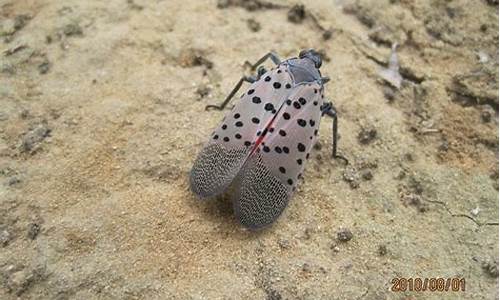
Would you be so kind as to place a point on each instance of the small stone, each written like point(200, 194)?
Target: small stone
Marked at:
point(203, 91)
point(351, 176)
point(13, 181)
point(134, 6)
point(25, 114)
point(306, 268)
point(34, 137)
point(344, 235)
point(18, 282)
point(401, 174)
point(444, 146)
point(491, 268)
point(335, 248)
point(366, 175)
point(33, 230)
point(475, 211)
point(284, 244)
point(44, 67)
point(20, 21)
point(408, 157)
point(308, 232)
point(389, 93)
point(297, 14)
point(72, 29)
point(327, 34)
point(412, 199)
point(253, 25)
point(5, 237)
point(485, 116)
point(191, 57)
point(223, 3)
point(483, 57)
point(366, 136)
point(382, 250)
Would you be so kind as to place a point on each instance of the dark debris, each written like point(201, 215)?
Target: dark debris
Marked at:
point(367, 135)
point(344, 235)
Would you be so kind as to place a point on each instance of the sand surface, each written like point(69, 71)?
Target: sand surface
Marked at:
point(102, 115)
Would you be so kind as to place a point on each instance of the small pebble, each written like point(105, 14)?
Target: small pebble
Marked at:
point(72, 29)
point(5, 237)
point(491, 268)
point(44, 67)
point(485, 116)
point(253, 25)
point(401, 174)
point(284, 244)
point(351, 176)
point(344, 235)
point(366, 136)
point(444, 146)
point(297, 14)
point(389, 93)
point(203, 91)
point(13, 181)
point(327, 34)
point(33, 138)
point(308, 233)
point(306, 268)
point(382, 250)
point(33, 230)
point(366, 175)
point(475, 211)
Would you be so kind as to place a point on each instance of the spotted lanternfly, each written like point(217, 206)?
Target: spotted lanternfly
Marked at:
point(263, 143)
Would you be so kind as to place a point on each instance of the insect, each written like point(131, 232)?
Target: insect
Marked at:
point(263, 143)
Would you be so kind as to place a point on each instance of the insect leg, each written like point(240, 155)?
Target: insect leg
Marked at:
point(221, 106)
point(325, 79)
point(274, 57)
point(330, 111)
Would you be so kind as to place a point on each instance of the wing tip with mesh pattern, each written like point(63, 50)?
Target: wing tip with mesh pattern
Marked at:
point(261, 197)
point(214, 169)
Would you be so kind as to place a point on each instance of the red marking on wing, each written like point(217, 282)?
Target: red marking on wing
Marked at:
point(266, 129)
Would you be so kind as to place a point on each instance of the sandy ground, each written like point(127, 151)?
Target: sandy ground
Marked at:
point(102, 115)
